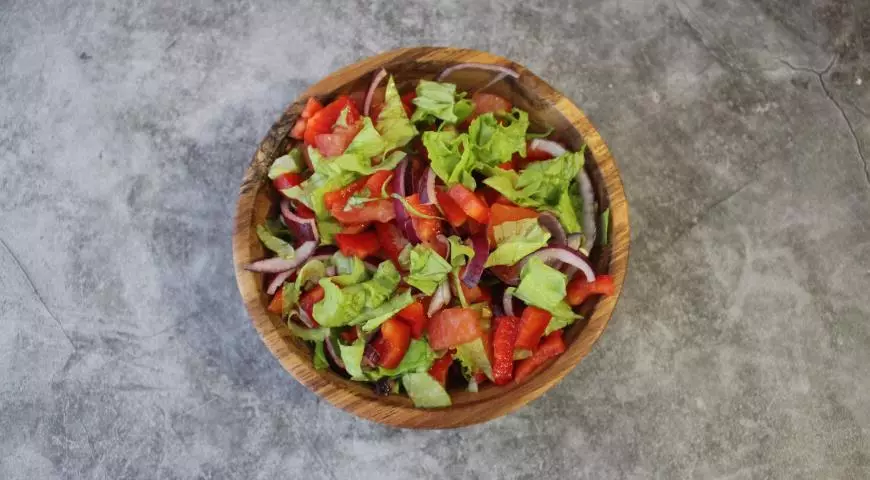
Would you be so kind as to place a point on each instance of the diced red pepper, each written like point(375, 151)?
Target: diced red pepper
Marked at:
point(426, 228)
point(454, 326)
point(287, 180)
point(551, 346)
point(415, 316)
point(392, 241)
point(440, 368)
point(277, 303)
point(455, 215)
point(579, 289)
point(376, 181)
point(337, 199)
point(392, 343)
point(470, 203)
point(374, 211)
point(359, 245)
point(503, 349)
point(309, 298)
point(323, 120)
point(532, 325)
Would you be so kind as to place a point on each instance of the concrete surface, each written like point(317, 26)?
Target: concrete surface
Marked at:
point(740, 349)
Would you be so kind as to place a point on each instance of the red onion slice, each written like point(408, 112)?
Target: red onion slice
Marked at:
point(278, 264)
point(371, 92)
point(550, 223)
point(478, 66)
point(588, 209)
point(543, 145)
point(332, 351)
point(480, 244)
point(279, 280)
point(507, 303)
point(427, 187)
point(304, 318)
point(303, 228)
point(440, 298)
point(565, 255)
point(403, 220)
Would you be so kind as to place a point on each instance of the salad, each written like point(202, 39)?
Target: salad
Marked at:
point(429, 240)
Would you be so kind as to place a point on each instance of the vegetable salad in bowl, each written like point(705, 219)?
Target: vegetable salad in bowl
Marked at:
point(430, 240)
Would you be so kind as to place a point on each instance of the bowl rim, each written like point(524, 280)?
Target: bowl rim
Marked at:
point(337, 390)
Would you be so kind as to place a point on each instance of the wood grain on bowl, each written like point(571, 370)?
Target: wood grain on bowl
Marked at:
point(546, 107)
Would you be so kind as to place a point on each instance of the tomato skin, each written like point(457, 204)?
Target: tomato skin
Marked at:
point(503, 349)
point(349, 335)
point(455, 215)
point(360, 245)
point(301, 209)
point(440, 368)
point(335, 143)
point(392, 241)
point(287, 180)
point(377, 211)
point(309, 298)
point(426, 228)
point(470, 203)
point(489, 102)
point(337, 199)
point(312, 106)
point(415, 316)
point(500, 213)
point(276, 305)
point(551, 346)
point(298, 130)
point(323, 120)
point(392, 343)
point(579, 289)
point(376, 181)
point(355, 228)
point(454, 326)
point(532, 325)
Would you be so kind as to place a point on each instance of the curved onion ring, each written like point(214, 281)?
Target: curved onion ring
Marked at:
point(479, 66)
point(367, 105)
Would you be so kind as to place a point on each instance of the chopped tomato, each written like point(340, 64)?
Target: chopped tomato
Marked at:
point(309, 298)
point(475, 294)
point(298, 130)
point(440, 368)
point(551, 346)
point(532, 155)
point(426, 228)
point(376, 181)
point(488, 102)
point(408, 102)
point(302, 210)
point(415, 316)
point(503, 349)
point(509, 165)
point(440, 247)
point(392, 343)
point(337, 199)
point(392, 241)
point(355, 228)
point(349, 335)
point(323, 120)
point(579, 289)
point(287, 180)
point(470, 203)
point(532, 325)
point(454, 326)
point(455, 215)
point(335, 143)
point(500, 213)
point(311, 107)
point(277, 303)
point(375, 211)
point(359, 245)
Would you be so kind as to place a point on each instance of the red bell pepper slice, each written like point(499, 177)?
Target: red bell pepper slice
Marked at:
point(551, 346)
point(276, 305)
point(454, 326)
point(455, 215)
point(415, 316)
point(392, 241)
point(426, 228)
point(471, 204)
point(323, 120)
point(392, 343)
point(359, 245)
point(503, 349)
point(579, 289)
point(532, 325)
point(440, 368)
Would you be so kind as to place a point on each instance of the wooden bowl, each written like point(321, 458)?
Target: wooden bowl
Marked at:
point(546, 106)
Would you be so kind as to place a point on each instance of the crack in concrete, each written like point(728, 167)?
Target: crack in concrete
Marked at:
point(36, 293)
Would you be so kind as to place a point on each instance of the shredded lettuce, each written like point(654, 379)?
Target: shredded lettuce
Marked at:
point(374, 317)
point(290, 163)
point(451, 157)
point(327, 227)
point(308, 334)
point(358, 163)
point(563, 315)
point(275, 244)
point(339, 305)
point(310, 273)
point(541, 285)
point(411, 210)
point(439, 100)
point(367, 143)
point(604, 238)
point(351, 356)
point(515, 240)
point(364, 302)
point(532, 135)
point(457, 287)
point(327, 177)
point(418, 358)
point(351, 270)
point(289, 298)
point(428, 269)
point(382, 284)
point(320, 361)
point(473, 357)
point(425, 391)
point(566, 212)
point(541, 184)
point(393, 123)
point(460, 253)
point(495, 142)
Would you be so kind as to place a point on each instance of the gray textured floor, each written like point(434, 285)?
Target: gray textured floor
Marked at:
point(741, 346)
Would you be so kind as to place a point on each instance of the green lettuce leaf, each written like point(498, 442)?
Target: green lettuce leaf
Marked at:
point(563, 315)
point(418, 358)
point(541, 184)
point(425, 391)
point(515, 240)
point(541, 285)
point(604, 238)
point(428, 269)
point(382, 284)
point(358, 163)
point(566, 212)
point(460, 252)
point(373, 318)
point(328, 227)
point(495, 142)
point(473, 357)
point(320, 361)
point(457, 287)
point(351, 270)
point(351, 356)
point(290, 163)
point(326, 178)
point(367, 143)
point(393, 123)
point(439, 100)
point(275, 244)
point(451, 157)
point(339, 306)
point(309, 274)
point(308, 334)
point(289, 298)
